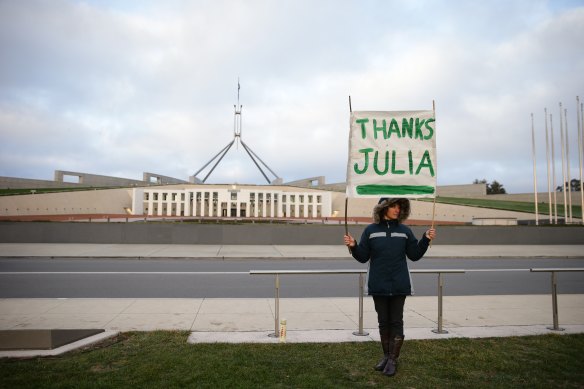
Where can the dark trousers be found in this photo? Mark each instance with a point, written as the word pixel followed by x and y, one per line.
pixel 390 314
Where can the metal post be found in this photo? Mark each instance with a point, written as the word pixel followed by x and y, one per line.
pixel 276 333
pixel 534 171
pixel 554 186
pixel 569 179
pixel 556 326
pixel 361 285
pixel 440 330
pixel 547 157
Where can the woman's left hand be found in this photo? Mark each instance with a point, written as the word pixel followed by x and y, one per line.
pixel 431 234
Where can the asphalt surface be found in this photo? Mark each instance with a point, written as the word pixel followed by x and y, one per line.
pixel 208 278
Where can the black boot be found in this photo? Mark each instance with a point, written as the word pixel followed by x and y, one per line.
pixel 386 344
pixel 391 365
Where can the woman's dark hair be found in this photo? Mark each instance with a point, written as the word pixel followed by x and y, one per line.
pixel 385 202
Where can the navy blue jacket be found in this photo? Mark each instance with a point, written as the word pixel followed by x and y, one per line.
pixel 386 246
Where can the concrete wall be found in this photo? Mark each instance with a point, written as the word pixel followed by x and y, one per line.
pixel 158 179
pixel 260 234
pixel 466 190
pixel 470 190
pixel 97 180
pixel 102 201
pixel 27 183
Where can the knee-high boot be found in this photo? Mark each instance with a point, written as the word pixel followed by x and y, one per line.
pixel 391 366
pixel 386 344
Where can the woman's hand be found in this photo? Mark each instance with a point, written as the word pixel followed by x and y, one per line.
pixel 431 234
pixel 349 241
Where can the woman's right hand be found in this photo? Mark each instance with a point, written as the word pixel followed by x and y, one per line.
pixel 349 241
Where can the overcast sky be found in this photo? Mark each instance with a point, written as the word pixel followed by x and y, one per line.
pixel 125 87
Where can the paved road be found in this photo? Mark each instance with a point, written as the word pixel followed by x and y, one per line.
pixel 130 278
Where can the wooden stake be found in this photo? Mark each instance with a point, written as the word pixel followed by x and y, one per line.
pixel 346 198
pixel 434 203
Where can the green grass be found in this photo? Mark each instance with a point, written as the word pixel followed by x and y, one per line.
pixel 517 206
pixel 13 192
pixel 165 360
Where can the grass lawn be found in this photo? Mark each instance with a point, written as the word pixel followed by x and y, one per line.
pixel 163 359
pixel 517 206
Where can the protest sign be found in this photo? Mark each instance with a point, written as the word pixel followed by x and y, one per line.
pixel 392 154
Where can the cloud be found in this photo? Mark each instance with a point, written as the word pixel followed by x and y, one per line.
pixel 121 87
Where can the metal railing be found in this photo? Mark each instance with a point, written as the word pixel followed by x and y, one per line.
pixel 360 331
pixel 556 326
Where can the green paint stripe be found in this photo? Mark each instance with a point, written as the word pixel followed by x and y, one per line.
pixel 395 189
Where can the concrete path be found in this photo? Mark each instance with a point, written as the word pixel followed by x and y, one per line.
pixel 308 320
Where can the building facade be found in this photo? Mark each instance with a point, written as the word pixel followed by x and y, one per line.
pixel 239 201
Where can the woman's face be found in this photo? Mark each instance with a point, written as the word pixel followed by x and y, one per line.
pixel 392 212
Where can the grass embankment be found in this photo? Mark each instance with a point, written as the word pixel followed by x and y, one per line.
pixel 165 360
pixel 14 192
pixel 516 206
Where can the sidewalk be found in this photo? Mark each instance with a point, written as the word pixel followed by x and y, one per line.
pixel 81 250
pixel 308 319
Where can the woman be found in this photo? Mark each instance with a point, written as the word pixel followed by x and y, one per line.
pixel 385 244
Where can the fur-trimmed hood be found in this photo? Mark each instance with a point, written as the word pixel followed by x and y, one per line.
pixel 385 202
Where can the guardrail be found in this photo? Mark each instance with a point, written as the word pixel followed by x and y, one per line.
pixel 440 272
pixel 556 326
pixel 360 331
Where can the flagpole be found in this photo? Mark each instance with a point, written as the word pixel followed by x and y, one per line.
pixel 554 184
pixel 547 156
pixel 563 166
pixel 580 156
pixel 569 179
pixel 534 172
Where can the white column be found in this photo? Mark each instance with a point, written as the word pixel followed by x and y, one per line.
pixel 198 209
pixel 187 202
pixel 169 203
pixel 205 207
pixel 255 205
pixel 159 204
pixel 314 207
pixel 277 205
pixel 150 203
